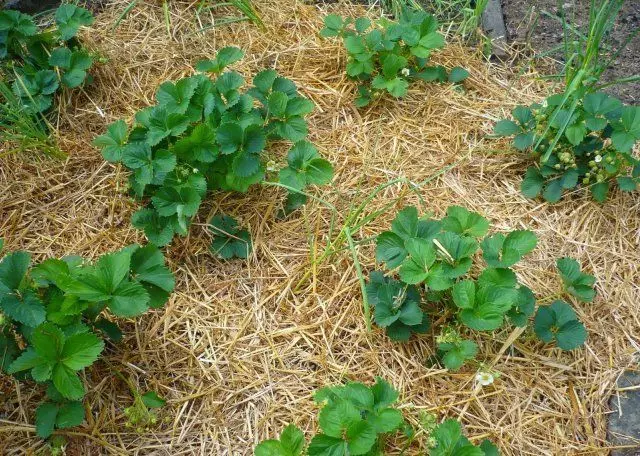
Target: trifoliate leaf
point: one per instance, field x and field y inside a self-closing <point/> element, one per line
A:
<point x="225" y="57"/>
<point x="27" y="308"/>
<point x="229" y="240"/>
<point x="157" y="229"/>
<point x="627" y="184"/>
<point x="291" y="443"/>
<point x="627" y="130"/>
<point x="488" y="310"/>
<point x="113" y="142"/>
<point x="599" y="191"/>
<point x="575" y="281"/>
<point x="390" y="249"/>
<point x="455" y="354"/>
<point x="502" y="252"/>
<point x="460" y="220"/>
<point x="147" y="266"/>
<point x="163" y="123"/>
<point x="422" y="255"/>
<point x="69" y="18"/>
<point x="229" y="135"/>
<point x="523" y="307"/>
<point x="175" y="98"/>
<point x="558" y="322"/>
<point x="451" y="442"/>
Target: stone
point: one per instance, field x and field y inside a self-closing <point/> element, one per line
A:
<point x="623" y="427"/>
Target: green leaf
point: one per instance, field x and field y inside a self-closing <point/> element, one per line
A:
<point x="46" y="415"/>
<point x="69" y="18"/>
<point x="27" y="309"/>
<point x="70" y="414"/>
<point x="489" y="308"/>
<point x="497" y="277"/>
<point x="390" y="249"/>
<point x="599" y="191"/>
<point x="627" y="184"/>
<point x="458" y="74"/>
<point x="464" y="294"/>
<point x="627" y="131"/>
<point x="422" y="255"/>
<point x="278" y="104"/>
<point x="81" y="350"/>
<point x="130" y="299"/>
<point x="324" y="445"/>
<point x="113" y="142"/>
<point x="225" y="57"/>
<point x="506" y="128"/>
<point x="229" y="135"/>
<point x="558" y="322"/>
<point x="532" y="183"/>
<point x="576" y="282"/>
<point x="157" y="229"/>
<point x="67" y="382"/>
<point x="175" y="98"/>
<point x="553" y="191"/>
<point x="163" y="123"/>
<point x="361" y="437"/>
<point x="229" y="240"/>
<point x="502" y="252"/>
<point x="152" y="400"/>
<point x="460" y="220"/>
<point x="455" y="354"/>
<point x="13" y="268"/>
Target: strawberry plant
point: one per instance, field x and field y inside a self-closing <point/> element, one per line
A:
<point x="40" y="62"/>
<point x="54" y="319"/>
<point x="229" y="240"/>
<point x="210" y="134"/>
<point x="590" y="144"/>
<point x="447" y="439"/>
<point x="354" y="420"/>
<point x="429" y="270"/>
<point x="386" y="55"/>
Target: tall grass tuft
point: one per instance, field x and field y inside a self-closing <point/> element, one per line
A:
<point x="586" y="55"/>
<point x="21" y="130"/>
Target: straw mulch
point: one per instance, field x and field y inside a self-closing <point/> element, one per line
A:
<point x="242" y="345"/>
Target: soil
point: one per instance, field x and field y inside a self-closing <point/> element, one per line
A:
<point x="526" y="24"/>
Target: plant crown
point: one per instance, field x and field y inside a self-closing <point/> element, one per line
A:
<point x="384" y="56"/>
<point x="53" y="319"/>
<point x="592" y="145"/>
<point x="39" y="62"/>
<point x="430" y="261"/>
<point x="206" y="134"/>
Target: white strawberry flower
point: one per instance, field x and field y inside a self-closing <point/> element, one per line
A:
<point x="484" y="378"/>
<point x="598" y="158"/>
<point x="405" y="72"/>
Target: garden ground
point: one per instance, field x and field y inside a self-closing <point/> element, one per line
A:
<point x="242" y="345"/>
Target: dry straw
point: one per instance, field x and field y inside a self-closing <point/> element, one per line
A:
<point x="242" y="345"/>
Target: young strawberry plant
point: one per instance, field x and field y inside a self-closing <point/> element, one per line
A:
<point x="385" y="56"/>
<point x="589" y="144"/>
<point x="37" y="63"/>
<point x="354" y="420"/>
<point x="447" y="439"/>
<point x="210" y="134"/>
<point x="53" y="319"/>
<point x="429" y="270"/>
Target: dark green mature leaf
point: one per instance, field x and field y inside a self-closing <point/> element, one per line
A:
<point x="9" y="349"/>
<point x="229" y="240"/>
<point x="390" y="249"/>
<point x="506" y="128"/>
<point x="532" y="184"/>
<point x="576" y="282"/>
<point x="558" y="322"/>
<point x="69" y="18"/>
<point x="175" y="98"/>
<point x="158" y="230"/>
<point x="46" y="414"/>
<point x="74" y="65"/>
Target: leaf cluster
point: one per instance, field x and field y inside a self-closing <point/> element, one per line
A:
<point x="39" y="62"/>
<point x="354" y="420"/>
<point x="430" y="261"/>
<point x="209" y="134"/>
<point x="53" y="324"/>
<point x="447" y="440"/>
<point x="386" y="55"/>
<point x="589" y="142"/>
